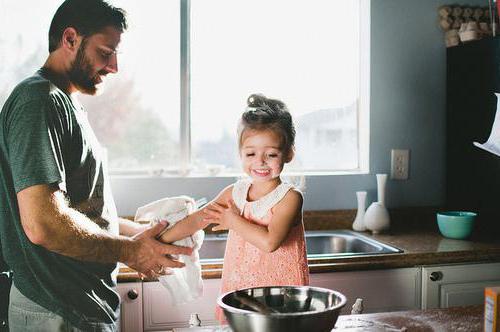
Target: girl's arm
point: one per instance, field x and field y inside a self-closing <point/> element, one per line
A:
<point x="130" y="228"/>
<point x="192" y="223"/>
<point x="184" y="228"/>
<point x="286" y="214"/>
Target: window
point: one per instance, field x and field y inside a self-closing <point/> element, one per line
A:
<point x="187" y="66"/>
<point x="137" y="116"/>
<point x="23" y="44"/>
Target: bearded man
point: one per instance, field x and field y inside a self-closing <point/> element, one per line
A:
<point x="59" y="230"/>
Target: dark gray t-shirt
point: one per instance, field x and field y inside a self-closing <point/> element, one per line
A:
<point x="45" y="138"/>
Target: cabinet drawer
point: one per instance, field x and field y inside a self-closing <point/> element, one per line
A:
<point x="447" y="286"/>
<point x="381" y="290"/>
<point x="160" y="314"/>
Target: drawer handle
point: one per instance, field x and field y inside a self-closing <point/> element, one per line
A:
<point x="132" y="294"/>
<point x="435" y="276"/>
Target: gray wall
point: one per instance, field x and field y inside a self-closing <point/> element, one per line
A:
<point x="407" y="111"/>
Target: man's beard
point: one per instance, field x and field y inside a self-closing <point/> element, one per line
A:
<point x="81" y="74"/>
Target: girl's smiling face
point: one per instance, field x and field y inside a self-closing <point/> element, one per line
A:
<point x="261" y="154"/>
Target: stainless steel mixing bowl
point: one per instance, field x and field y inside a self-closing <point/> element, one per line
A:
<point x="299" y="308"/>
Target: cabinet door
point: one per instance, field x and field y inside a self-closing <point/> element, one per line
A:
<point x="131" y="306"/>
<point x="161" y="314"/>
<point x="447" y="286"/>
<point x="381" y="290"/>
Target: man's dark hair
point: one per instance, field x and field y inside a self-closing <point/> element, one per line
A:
<point x="87" y="17"/>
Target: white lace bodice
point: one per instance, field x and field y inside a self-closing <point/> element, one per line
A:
<point x="259" y="208"/>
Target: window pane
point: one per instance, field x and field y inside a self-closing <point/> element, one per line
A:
<point x="137" y="116"/>
<point x="305" y="53"/>
<point x="23" y="43"/>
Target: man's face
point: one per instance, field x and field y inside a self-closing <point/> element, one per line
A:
<point x="96" y="57"/>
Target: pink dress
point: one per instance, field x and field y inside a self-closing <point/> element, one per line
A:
<point x="247" y="266"/>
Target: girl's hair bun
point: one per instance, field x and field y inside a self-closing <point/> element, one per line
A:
<point x="265" y="113"/>
<point x="259" y="100"/>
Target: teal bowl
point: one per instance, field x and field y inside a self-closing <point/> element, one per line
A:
<point x="456" y="224"/>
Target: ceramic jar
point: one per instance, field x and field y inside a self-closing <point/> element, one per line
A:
<point x="376" y="216"/>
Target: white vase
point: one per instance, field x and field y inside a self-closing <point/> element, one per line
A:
<point x="359" y="222"/>
<point x="376" y="216"/>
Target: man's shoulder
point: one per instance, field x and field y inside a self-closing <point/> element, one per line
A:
<point x="34" y="94"/>
<point x="32" y="89"/>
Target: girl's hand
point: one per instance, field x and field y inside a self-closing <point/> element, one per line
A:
<point x="202" y="221"/>
<point x="221" y="215"/>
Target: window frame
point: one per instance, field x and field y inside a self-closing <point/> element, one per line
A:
<point x="363" y="108"/>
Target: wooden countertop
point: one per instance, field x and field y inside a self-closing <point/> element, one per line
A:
<point x="419" y="238"/>
<point x="419" y="248"/>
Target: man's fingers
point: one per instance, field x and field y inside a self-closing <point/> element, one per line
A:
<point x="156" y="229"/>
<point x="162" y="270"/>
<point x="148" y="274"/>
<point x="152" y="231"/>
<point x="170" y="249"/>
<point x="155" y="275"/>
<point x="172" y="263"/>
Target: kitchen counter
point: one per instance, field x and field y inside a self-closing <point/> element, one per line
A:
<point x="466" y="319"/>
<point x="419" y="238"/>
<point x="419" y="248"/>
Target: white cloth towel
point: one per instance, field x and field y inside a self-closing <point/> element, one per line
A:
<point x="492" y="145"/>
<point x="184" y="284"/>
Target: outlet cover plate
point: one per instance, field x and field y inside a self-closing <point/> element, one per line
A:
<point x="400" y="164"/>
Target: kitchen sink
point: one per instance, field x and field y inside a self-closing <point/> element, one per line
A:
<point x="344" y="243"/>
<point x="320" y="244"/>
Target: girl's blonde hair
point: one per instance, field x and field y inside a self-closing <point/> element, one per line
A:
<point x="264" y="113"/>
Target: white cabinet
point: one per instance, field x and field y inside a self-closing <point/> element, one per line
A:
<point x="147" y="307"/>
<point x="446" y="286"/>
<point x="131" y="306"/>
<point x="381" y="290"/>
<point x="160" y="314"/>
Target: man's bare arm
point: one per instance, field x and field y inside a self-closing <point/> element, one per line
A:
<point x="126" y="227"/>
<point x="48" y="221"/>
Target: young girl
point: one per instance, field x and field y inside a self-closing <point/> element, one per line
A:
<point x="265" y="245"/>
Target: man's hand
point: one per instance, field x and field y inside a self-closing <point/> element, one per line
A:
<point x="149" y="256"/>
<point x="221" y="215"/>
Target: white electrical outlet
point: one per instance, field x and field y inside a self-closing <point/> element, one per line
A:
<point x="400" y="164"/>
